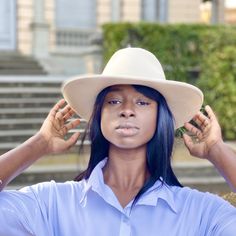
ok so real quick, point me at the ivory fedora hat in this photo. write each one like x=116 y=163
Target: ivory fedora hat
x=133 y=66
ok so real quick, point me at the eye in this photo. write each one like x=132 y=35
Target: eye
x=143 y=103
x=114 y=101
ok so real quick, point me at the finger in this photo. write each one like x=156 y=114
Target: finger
x=59 y=116
x=210 y=113
x=70 y=125
x=72 y=140
x=65 y=110
x=193 y=130
x=188 y=141
x=201 y=120
x=64 y=114
x=57 y=107
x=61 y=113
x=69 y=114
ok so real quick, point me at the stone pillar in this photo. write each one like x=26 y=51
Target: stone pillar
x=217 y=11
x=115 y=10
x=163 y=11
x=40 y=31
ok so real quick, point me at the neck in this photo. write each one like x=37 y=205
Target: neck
x=126 y=169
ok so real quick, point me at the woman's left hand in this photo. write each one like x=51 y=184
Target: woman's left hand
x=208 y=133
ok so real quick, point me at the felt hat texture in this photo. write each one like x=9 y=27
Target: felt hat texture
x=135 y=66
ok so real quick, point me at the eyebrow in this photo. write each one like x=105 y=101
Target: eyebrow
x=118 y=89
x=115 y=89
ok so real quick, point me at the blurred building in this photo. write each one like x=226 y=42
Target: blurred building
x=227 y=13
x=63 y=35
x=230 y=16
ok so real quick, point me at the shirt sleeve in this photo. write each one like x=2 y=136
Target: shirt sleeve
x=222 y=217
x=24 y=212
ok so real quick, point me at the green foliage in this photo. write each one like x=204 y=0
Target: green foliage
x=185 y=51
x=176 y=46
x=218 y=82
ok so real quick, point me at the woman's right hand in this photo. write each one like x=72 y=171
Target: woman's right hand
x=56 y=126
x=50 y=139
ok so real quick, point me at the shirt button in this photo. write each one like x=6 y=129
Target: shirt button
x=126 y=220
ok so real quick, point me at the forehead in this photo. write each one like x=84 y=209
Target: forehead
x=132 y=91
x=122 y=88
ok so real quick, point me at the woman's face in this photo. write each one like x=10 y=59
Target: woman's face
x=128 y=117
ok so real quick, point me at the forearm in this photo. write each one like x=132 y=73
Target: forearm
x=224 y=159
x=15 y=161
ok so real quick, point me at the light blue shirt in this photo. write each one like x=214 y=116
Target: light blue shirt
x=90 y=208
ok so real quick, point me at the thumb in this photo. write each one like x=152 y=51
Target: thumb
x=188 y=141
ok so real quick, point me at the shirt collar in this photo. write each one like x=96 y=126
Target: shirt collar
x=96 y=183
x=159 y=190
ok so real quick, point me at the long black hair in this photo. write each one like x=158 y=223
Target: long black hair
x=159 y=148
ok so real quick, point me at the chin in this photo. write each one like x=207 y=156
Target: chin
x=128 y=146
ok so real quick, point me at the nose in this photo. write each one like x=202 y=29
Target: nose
x=127 y=110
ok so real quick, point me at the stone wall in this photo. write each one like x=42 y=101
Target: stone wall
x=24 y=20
x=184 y=11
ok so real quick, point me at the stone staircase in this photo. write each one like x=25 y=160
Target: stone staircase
x=25 y=103
x=203 y=177
x=13 y=63
x=200 y=175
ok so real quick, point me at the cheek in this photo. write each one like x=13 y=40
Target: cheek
x=149 y=127
x=105 y=127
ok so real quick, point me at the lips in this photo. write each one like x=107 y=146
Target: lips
x=126 y=126
x=127 y=129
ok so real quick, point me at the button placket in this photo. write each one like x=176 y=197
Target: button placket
x=125 y=228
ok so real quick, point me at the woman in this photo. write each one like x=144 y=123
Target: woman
x=129 y=187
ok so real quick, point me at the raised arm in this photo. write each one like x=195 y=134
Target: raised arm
x=48 y=140
x=210 y=145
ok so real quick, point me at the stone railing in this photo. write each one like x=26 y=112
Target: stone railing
x=76 y=39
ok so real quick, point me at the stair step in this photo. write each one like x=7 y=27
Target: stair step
x=27 y=121
x=7 y=146
x=31 y=95
x=12 y=133
x=26 y=79
x=21 y=121
x=17 y=124
x=18 y=71
x=15 y=65
x=9 y=56
x=34 y=85
x=18 y=63
x=11 y=64
x=19 y=136
x=30 y=90
x=40 y=100
x=206 y=170
x=9 y=113
x=25 y=111
x=26 y=102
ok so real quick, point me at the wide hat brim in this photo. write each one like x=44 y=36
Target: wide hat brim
x=184 y=100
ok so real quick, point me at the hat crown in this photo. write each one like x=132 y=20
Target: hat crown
x=134 y=62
